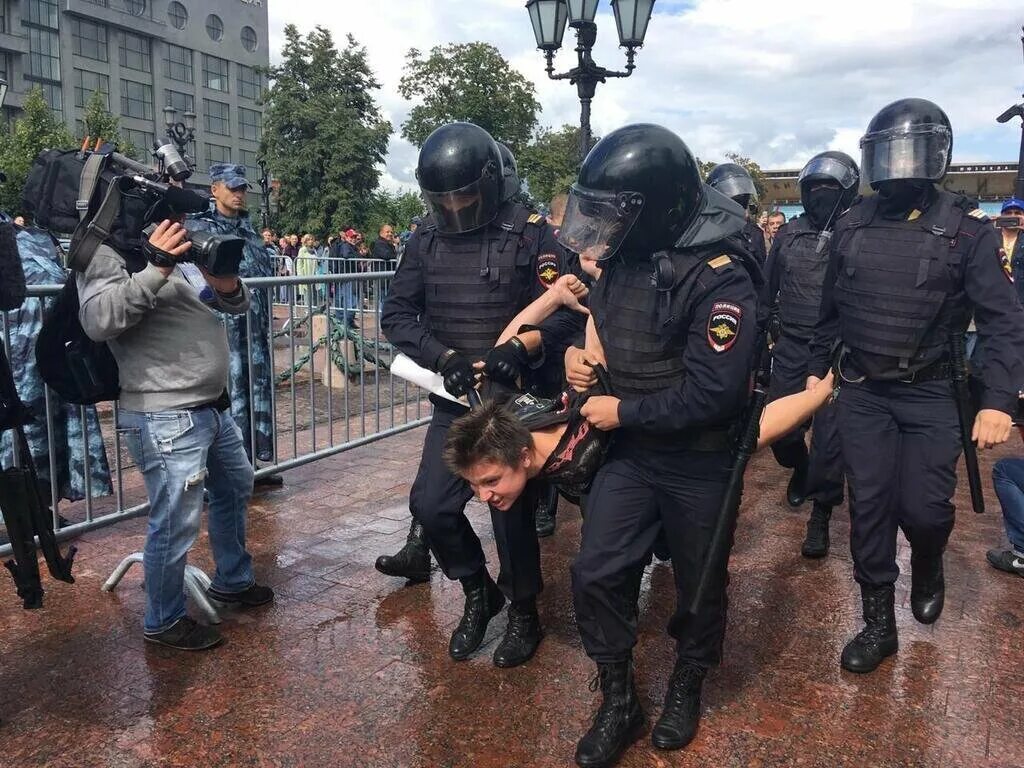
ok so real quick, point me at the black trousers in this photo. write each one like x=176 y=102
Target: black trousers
x=901 y=443
x=438 y=501
x=824 y=459
x=635 y=494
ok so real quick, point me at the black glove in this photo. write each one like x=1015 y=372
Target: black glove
x=458 y=374
x=506 y=362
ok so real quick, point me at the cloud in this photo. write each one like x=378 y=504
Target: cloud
x=774 y=81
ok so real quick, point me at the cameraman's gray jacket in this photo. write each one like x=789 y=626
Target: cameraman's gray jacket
x=169 y=344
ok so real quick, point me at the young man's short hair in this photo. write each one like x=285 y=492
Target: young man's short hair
x=489 y=432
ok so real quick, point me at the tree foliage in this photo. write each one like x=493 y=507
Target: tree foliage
x=550 y=164
x=37 y=129
x=100 y=124
x=394 y=208
x=323 y=134
x=470 y=82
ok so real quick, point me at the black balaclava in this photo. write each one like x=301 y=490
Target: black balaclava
x=900 y=196
x=822 y=206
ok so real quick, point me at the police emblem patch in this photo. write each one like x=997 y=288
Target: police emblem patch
x=724 y=325
x=547 y=269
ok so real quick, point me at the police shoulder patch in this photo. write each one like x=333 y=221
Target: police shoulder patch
x=724 y=325
x=547 y=269
x=535 y=218
x=978 y=214
x=720 y=261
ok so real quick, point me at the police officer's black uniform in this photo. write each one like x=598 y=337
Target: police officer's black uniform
x=909 y=265
x=452 y=296
x=678 y=331
x=735 y=182
x=796 y=273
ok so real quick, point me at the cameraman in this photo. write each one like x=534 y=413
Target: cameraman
x=162 y=328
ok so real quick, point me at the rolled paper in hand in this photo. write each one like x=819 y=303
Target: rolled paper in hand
x=404 y=368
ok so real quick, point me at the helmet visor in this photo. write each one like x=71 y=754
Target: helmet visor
x=820 y=168
x=736 y=185
x=597 y=223
x=463 y=210
x=918 y=152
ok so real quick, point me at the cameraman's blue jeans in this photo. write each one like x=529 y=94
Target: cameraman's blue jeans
x=1008 y=479
x=178 y=452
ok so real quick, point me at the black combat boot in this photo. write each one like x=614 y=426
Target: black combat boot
x=678 y=722
x=547 y=507
x=522 y=636
x=927 y=586
x=816 y=543
x=483 y=602
x=412 y=561
x=796 y=493
x=878 y=638
x=619 y=720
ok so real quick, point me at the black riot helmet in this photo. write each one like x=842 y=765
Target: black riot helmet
x=459 y=172
x=910 y=139
x=639 y=192
x=734 y=182
x=828 y=185
x=509 y=173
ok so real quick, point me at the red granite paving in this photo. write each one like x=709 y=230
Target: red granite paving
x=349 y=668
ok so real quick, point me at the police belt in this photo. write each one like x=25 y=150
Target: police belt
x=705 y=440
x=939 y=370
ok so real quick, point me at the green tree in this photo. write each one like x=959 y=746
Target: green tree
x=99 y=123
x=550 y=164
x=323 y=134
x=469 y=82
x=37 y=129
x=394 y=208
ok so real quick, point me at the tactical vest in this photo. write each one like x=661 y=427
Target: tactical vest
x=475 y=284
x=643 y=326
x=901 y=284
x=802 y=278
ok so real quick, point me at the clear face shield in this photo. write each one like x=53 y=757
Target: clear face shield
x=828 y=167
x=468 y=208
x=597 y=223
x=917 y=152
x=737 y=186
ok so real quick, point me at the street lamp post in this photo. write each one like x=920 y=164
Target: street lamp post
x=181 y=133
x=549 y=18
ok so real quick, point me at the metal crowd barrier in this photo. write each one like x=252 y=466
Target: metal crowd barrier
x=315 y=414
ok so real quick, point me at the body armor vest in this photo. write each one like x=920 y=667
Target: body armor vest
x=802 y=278
x=475 y=284
x=900 y=286
x=643 y=325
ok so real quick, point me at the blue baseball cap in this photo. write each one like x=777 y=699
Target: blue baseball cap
x=232 y=175
x=1013 y=202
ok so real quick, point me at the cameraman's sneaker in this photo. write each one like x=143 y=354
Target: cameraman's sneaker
x=1006 y=560
x=247 y=598
x=186 y=634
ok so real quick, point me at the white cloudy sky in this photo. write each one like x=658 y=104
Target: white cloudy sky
x=777 y=81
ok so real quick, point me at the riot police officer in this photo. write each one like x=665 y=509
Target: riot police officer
x=909 y=265
x=796 y=272
x=675 y=315
x=734 y=181
x=464 y=276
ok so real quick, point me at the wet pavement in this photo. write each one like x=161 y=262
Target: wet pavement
x=350 y=668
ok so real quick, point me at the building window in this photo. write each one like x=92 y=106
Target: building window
x=249 y=158
x=215 y=153
x=51 y=95
x=43 y=13
x=178 y=63
x=216 y=117
x=143 y=143
x=178 y=15
x=250 y=83
x=136 y=100
x=215 y=27
x=250 y=124
x=3 y=16
x=249 y=41
x=5 y=66
x=183 y=102
x=89 y=40
x=101 y=3
x=44 y=54
x=135 y=52
x=86 y=83
x=215 y=73
x=135 y=7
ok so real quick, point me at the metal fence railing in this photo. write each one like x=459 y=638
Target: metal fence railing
x=332 y=391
